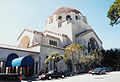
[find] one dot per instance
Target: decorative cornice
(84, 32)
(55, 33)
(36, 32)
(52, 37)
(10, 47)
(44, 44)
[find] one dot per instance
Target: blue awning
(10, 57)
(23, 61)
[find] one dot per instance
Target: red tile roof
(65, 10)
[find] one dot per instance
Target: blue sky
(15, 15)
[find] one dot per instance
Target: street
(109, 77)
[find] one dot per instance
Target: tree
(87, 60)
(108, 59)
(114, 13)
(72, 52)
(55, 57)
(92, 59)
(111, 58)
(98, 57)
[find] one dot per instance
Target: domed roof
(65, 10)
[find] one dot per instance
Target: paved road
(109, 77)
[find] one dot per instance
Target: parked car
(10, 77)
(42, 72)
(91, 71)
(99, 71)
(106, 69)
(110, 68)
(52, 74)
(67, 73)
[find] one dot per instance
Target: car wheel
(70, 75)
(40, 78)
(62, 76)
(49, 77)
(105, 73)
(100, 73)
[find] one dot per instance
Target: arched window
(76, 17)
(92, 45)
(68, 17)
(60, 17)
(25, 42)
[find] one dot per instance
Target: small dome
(65, 10)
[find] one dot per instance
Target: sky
(15, 15)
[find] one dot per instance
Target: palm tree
(72, 52)
(55, 57)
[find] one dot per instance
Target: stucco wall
(38, 38)
(45, 51)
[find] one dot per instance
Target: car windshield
(104, 68)
(50, 72)
(97, 69)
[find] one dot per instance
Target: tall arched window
(92, 45)
(25, 42)
(68, 17)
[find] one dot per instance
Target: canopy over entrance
(23, 61)
(10, 58)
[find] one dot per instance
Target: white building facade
(64, 27)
